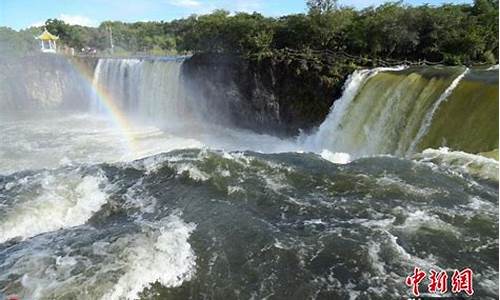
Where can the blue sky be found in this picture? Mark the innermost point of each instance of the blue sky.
(20, 14)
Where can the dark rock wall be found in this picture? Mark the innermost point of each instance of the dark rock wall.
(270, 95)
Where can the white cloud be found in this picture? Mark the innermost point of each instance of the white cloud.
(204, 7)
(186, 3)
(77, 20)
(69, 19)
(37, 24)
(247, 5)
(360, 4)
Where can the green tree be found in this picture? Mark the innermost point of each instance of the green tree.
(13, 43)
(464, 33)
(321, 6)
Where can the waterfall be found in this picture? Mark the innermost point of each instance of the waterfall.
(398, 111)
(426, 123)
(150, 90)
(391, 111)
(330, 134)
(381, 111)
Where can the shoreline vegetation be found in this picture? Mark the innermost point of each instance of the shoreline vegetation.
(394, 32)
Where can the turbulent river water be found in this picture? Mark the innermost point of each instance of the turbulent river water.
(124, 185)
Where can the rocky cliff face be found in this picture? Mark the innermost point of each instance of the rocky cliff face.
(278, 95)
(42, 82)
(271, 95)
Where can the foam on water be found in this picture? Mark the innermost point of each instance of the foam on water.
(49, 201)
(419, 218)
(167, 259)
(393, 181)
(336, 158)
(82, 263)
(348, 227)
(87, 139)
(477, 165)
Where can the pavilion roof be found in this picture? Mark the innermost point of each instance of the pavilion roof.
(46, 36)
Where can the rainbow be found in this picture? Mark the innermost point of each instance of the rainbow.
(106, 101)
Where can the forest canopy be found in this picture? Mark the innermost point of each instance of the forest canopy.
(453, 33)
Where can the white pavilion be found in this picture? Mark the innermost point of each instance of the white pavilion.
(48, 42)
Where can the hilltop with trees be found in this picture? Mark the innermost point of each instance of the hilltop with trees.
(452, 33)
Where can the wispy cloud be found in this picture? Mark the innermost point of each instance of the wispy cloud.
(205, 6)
(36, 24)
(246, 5)
(186, 3)
(77, 20)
